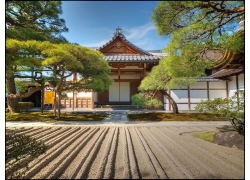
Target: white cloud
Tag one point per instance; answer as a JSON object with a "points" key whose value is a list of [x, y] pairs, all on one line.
{"points": [[97, 44], [139, 32]]}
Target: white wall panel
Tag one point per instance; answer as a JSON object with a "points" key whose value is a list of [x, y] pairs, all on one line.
{"points": [[166, 107], [69, 94], [231, 92], [192, 107], [198, 95], [217, 94], [124, 91], [182, 107], [241, 83], [84, 94], [114, 92], [217, 85], [199, 85], [179, 95], [232, 86]]}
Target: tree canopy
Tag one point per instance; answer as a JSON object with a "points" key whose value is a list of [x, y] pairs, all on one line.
{"points": [[195, 28], [34, 43], [38, 20]]}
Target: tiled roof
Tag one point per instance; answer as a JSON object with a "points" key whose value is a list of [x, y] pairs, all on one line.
{"points": [[120, 34], [209, 78], [227, 72], [131, 58]]}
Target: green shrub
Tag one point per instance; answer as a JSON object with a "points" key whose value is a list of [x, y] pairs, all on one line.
{"points": [[232, 108], [146, 101], [25, 106]]}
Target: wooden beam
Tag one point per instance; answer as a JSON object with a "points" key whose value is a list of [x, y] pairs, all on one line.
{"points": [[127, 80]]}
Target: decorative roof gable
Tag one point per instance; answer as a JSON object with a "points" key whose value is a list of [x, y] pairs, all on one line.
{"points": [[120, 45]]}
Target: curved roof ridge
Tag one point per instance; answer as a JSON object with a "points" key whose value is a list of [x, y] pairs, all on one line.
{"points": [[119, 33]]}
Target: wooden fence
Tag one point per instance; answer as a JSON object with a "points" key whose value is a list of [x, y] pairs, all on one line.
{"points": [[80, 103]]}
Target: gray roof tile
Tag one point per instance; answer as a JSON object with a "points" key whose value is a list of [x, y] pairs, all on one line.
{"points": [[131, 58]]}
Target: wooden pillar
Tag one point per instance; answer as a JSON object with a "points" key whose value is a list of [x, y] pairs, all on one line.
{"points": [[119, 72], [189, 106], [169, 106], [208, 96], [92, 100], [74, 92], [144, 70]]}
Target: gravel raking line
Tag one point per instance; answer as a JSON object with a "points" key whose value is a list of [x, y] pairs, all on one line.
{"points": [[127, 152]]}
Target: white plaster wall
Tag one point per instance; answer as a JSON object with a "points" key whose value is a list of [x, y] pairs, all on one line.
{"points": [[221, 84], [182, 107], [200, 85], [217, 94], [192, 107], [166, 107], [84, 94], [114, 92], [69, 94], [232, 86], [198, 95], [241, 82], [179, 95], [124, 91], [129, 76]]}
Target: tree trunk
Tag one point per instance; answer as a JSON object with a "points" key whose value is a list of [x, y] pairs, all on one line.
{"points": [[59, 102], [12, 100], [55, 103], [42, 99], [171, 101]]}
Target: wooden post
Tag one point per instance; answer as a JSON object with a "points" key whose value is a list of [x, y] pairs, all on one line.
{"points": [[92, 100], [189, 105], [208, 95], [74, 92], [144, 70]]}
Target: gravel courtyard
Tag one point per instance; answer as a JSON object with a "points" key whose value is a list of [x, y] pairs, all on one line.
{"points": [[121, 152]]}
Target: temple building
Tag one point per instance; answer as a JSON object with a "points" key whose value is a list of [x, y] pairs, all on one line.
{"points": [[129, 64]]}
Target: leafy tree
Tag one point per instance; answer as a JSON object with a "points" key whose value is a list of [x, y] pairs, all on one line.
{"points": [[196, 29], [27, 20], [66, 60], [38, 20], [208, 23], [62, 60], [232, 108]]}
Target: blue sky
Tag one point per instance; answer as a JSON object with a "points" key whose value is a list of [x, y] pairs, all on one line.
{"points": [[92, 23]]}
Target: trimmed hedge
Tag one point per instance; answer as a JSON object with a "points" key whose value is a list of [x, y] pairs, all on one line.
{"points": [[25, 106]]}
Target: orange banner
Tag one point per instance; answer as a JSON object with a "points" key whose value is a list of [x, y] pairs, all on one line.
{"points": [[49, 97]]}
